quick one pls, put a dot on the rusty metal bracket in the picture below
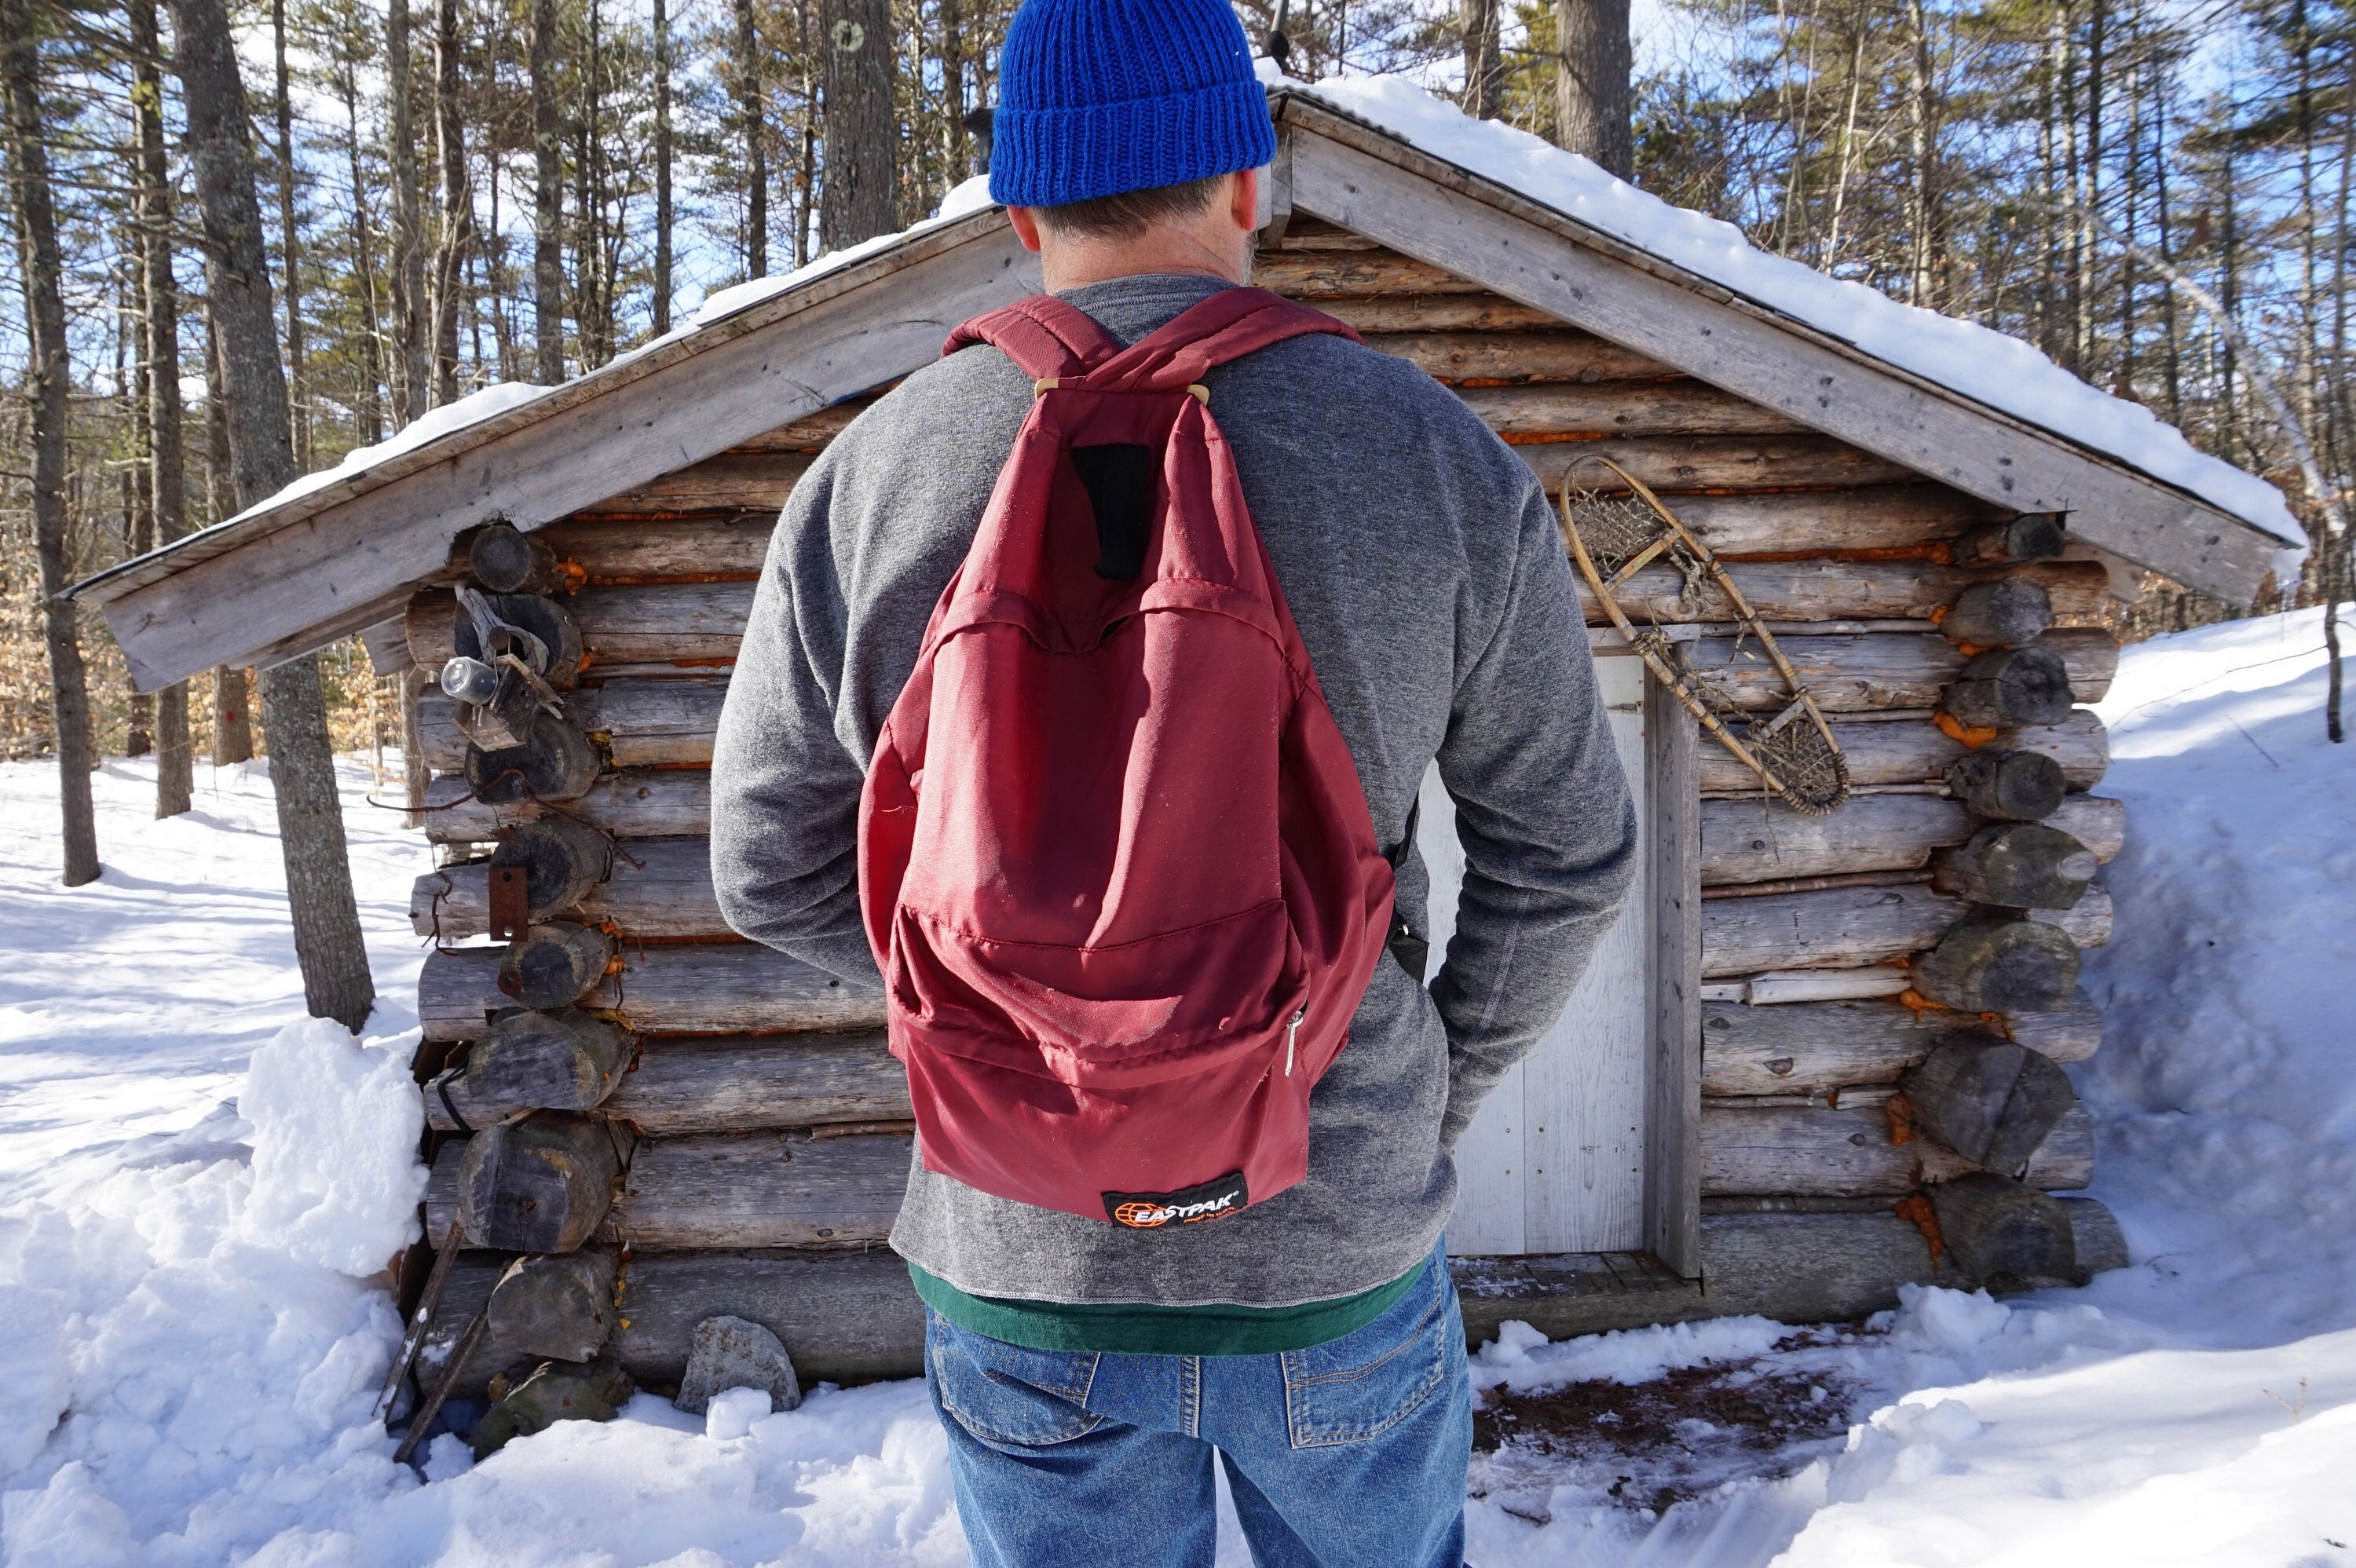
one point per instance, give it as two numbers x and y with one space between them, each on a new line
510 902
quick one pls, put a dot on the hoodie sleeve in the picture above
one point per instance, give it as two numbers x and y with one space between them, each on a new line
1544 815
785 786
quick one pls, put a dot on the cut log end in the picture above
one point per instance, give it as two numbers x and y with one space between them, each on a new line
548 622
555 964
2006 614
553 1392
2035 535
563 1060
2017 865
563 861
1996 1230
506 559
1992 1101
561 1307
2010 688
2012 786
558 764
1997 965
540 1185
2102 1245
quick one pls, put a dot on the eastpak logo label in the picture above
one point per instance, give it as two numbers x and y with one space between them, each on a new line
1189 1206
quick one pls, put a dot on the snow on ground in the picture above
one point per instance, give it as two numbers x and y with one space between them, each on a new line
128 1005
192 1322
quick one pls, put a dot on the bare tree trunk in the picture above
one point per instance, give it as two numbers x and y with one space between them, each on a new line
368 407
328 943
167 468
2096 53
806 172
1848 147
2229 299
2049 310
2166 248
457 201
414 774
40 271
749 109
138 481
1923 154
1484 67
290 246
2133 145
858 201
1594 104
596 260
232 693
413 373
662 168
2305 343
233 716
547 201
955 136
2073 173
491 250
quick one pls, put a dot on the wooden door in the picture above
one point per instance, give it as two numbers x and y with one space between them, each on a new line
1555 1161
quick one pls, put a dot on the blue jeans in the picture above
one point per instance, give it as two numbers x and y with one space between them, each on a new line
1348 1455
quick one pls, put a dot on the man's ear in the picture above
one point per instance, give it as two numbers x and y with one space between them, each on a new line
1026 226
1243 200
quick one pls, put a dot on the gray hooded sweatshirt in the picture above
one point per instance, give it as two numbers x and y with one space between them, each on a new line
1424 568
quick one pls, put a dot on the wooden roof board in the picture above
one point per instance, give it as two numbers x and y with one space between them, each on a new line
298 574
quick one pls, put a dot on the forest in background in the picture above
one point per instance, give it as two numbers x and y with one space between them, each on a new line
458 192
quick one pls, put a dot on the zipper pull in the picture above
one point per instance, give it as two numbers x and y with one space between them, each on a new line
1292 1033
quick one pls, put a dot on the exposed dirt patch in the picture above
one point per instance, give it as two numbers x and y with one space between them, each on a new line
1654 1444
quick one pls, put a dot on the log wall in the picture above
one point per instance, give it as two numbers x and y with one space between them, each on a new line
764 1124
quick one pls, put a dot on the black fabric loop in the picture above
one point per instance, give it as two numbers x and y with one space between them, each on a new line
1120 477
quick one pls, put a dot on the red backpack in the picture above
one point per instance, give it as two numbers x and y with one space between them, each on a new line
1114 858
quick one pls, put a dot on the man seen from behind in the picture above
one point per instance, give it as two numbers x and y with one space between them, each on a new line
1115 719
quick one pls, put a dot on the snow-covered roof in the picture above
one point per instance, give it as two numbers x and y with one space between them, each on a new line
340 549
1986 366
487 402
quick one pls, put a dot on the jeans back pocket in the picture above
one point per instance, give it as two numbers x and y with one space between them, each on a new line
1363 1383
1006 1393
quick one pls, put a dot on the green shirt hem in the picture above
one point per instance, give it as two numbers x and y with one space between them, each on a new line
1143 1329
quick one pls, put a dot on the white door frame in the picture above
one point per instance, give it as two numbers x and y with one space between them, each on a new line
1593 1142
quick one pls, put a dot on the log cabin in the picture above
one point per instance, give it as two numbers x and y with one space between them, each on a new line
1820 1055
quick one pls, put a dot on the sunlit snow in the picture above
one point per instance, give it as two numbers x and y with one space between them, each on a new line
199 1188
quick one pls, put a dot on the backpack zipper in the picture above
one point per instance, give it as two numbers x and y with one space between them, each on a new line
1291 1032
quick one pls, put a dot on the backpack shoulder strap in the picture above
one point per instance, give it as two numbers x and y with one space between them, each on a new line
1044 335
1224 327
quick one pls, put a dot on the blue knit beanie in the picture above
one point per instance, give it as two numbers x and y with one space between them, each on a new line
1097 97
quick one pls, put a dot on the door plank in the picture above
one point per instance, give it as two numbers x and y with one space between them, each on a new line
1583 1086
1673 1050
1490 1204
